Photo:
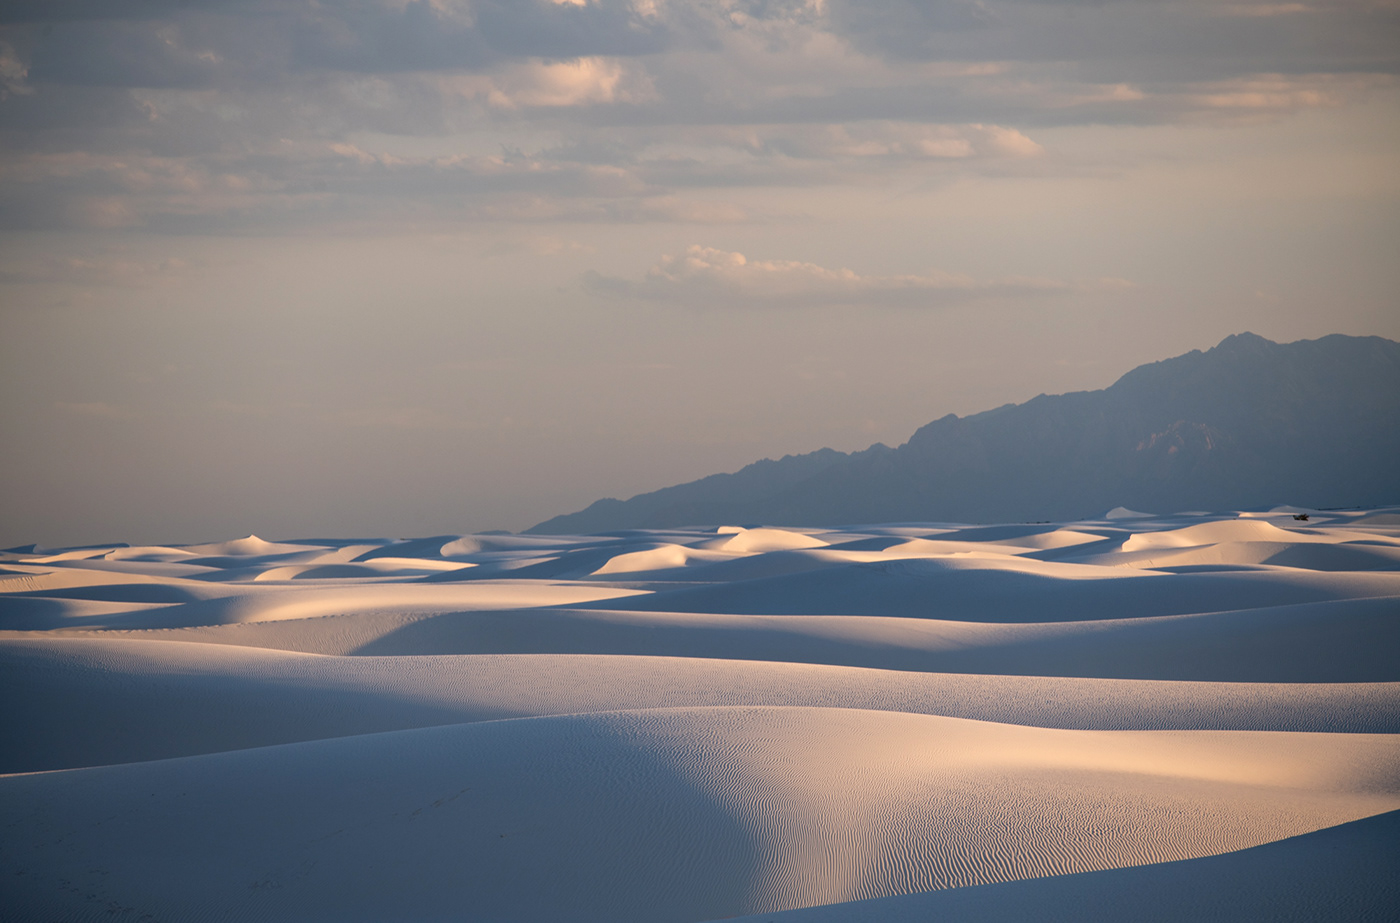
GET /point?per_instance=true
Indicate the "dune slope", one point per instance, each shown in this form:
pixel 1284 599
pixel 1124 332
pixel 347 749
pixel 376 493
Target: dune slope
pixel 1140 716
pixel 1312 876
pixel 666 813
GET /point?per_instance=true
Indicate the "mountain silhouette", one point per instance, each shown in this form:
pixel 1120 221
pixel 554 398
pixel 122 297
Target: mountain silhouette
pixel 1250 423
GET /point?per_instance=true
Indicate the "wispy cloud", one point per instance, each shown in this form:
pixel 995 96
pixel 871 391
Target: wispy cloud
pixel 721 279
pixel 177 117
pixel 552 84
pixel 94 270
pixel 875 139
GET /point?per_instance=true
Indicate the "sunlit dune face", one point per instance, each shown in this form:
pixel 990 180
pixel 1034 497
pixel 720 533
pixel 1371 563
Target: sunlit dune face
pixel 788 717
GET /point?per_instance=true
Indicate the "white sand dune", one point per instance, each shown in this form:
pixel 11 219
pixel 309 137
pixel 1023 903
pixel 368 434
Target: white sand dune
pixel 1338 641
pixel 1307 877
pixel 1146 717
pixel 131 700
pixel 1014 590
pixel 665 814
pixel 263 603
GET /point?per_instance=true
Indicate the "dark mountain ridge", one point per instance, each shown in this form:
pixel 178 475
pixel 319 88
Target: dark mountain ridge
pixel 1248 423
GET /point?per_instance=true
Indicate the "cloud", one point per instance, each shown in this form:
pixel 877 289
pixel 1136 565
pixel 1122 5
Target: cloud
pixel 28 11
pixel 1274 93
pixel 13 74
pixel 551 84
pixel 1134 41
pixel 635 178
pixel 865 140
pixel 297 184
pixel 181 117
pixel 94 270
pixel 709 277
pixel 89 190
pixel 125 54
pixel 177 44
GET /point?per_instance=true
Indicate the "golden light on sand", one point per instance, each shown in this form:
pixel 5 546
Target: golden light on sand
pixel 1181 713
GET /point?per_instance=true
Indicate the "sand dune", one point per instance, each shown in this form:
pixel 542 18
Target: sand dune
pixel 666 814
pixel 1193 716
pixel 1307 877
pixel 1338 641
pixel 131 700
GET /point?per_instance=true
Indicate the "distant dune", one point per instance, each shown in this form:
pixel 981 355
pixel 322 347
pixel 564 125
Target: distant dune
pixel 1250 423
pixel 1156 718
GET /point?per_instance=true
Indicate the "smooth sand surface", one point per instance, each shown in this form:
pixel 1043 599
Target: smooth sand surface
pixel 1138 717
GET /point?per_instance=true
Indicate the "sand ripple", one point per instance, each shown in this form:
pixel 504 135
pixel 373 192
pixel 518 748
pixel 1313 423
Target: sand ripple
pixel 902 722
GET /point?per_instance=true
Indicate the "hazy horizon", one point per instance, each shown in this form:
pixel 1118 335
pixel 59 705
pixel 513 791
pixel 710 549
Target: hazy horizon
pixel 409 268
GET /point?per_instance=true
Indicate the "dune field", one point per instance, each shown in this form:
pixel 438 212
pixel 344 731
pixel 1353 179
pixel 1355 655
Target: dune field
pixel 1184 717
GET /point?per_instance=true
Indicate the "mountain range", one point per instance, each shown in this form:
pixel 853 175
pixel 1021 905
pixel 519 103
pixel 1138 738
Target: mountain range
pixel 1250 423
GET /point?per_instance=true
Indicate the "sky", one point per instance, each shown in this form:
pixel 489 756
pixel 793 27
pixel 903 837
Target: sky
pixel 386 268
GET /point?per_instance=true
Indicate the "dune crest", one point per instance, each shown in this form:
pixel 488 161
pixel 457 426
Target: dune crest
pixel 701 724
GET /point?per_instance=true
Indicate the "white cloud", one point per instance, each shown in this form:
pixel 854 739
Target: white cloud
pixel 552 84
pixel 721 278
pixel 186 119
pixel 12 73
pixel 1276 92
pixel 883 139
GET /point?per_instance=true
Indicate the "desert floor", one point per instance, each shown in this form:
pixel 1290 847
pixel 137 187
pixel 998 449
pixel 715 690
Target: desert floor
pixel 1187 717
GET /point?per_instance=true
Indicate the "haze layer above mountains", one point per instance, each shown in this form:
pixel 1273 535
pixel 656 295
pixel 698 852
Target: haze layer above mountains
pixel 1248 423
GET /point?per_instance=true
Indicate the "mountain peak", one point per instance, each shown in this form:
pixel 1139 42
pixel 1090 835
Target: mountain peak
pixel 1246 340
pixel 1249 423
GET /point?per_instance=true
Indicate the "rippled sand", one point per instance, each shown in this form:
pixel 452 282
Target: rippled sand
pixel 1133 718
